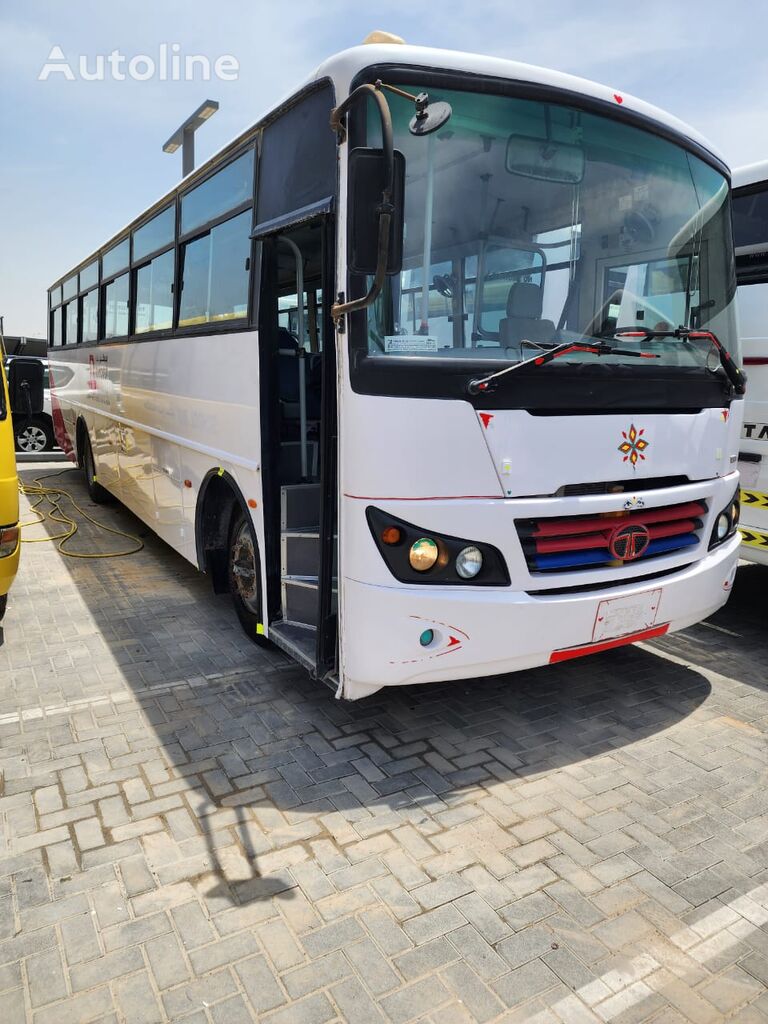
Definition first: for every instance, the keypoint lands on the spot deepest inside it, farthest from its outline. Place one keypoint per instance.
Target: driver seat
(523, 320)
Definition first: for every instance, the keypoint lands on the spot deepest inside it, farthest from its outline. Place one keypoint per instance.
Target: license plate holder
(619, 616)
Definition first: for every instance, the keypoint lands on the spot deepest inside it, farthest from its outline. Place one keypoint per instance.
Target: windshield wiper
(736, 376)
(482, 385)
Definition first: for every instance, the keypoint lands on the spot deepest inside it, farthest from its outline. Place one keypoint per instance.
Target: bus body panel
(161, 417)
(752, 299)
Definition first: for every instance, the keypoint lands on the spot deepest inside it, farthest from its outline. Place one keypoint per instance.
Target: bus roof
(342, 68)
(750, 174)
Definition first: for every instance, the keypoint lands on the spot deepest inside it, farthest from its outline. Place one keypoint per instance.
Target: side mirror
(367, 170)
(25, 385)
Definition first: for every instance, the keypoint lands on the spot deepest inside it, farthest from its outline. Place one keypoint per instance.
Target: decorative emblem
(634, 502)
(629, 542)
(633, 445)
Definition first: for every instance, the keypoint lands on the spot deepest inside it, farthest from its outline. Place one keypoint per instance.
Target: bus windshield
(530, 223)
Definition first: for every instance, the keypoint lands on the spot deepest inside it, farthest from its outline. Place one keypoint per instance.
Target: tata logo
(633, 503)
(629, 542)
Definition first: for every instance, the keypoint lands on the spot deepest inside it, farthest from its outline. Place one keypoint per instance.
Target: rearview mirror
(367, 169)
(545, 160)
(25, 385)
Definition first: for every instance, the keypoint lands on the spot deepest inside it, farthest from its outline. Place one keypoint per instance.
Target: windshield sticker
(409, 343)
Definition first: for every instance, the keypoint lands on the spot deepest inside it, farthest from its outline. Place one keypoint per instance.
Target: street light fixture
(184, 135)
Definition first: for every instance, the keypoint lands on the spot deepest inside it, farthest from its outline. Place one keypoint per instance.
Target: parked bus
(428, 369)
(750, 231)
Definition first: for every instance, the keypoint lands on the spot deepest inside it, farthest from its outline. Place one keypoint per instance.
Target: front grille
(568, 543)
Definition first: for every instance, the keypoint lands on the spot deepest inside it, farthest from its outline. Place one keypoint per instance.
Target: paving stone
(476, 996)
(81, 942)
(166, 960)
(79, 1009)
(260, 984)
(318, 974)
(371, 965)
(415, 999)
(46, 978)
(280, 945)
(331, 937)
(106, 968)
(136, 1000)
(196, 995)
(192, 924)
(225, 951)
(88, 834)
(231, 1011)
(525, 945)
(355, 1004)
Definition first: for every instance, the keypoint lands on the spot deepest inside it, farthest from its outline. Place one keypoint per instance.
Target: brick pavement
(190, 830)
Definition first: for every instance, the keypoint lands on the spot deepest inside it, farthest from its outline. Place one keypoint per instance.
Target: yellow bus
(10, 541)
(21, 398)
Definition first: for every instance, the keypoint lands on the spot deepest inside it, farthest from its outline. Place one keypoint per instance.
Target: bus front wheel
(96, 492)
(3, 606)
(244, 573)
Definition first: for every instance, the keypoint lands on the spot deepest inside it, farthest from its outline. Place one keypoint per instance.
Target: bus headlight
(726, 522)
(415, 555)
(469, 562)
(423, 554)
(9, 539)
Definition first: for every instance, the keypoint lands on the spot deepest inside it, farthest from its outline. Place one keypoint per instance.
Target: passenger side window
(90, 315)
(116, 308)
(70, 338)
(154, 295)
(214, 274)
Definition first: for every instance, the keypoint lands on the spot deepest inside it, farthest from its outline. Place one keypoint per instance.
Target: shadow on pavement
(281, 761)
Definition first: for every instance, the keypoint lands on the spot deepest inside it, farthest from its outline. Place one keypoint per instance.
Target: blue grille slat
(602, 556)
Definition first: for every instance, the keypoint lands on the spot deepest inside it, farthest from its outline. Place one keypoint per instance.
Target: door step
(300, 507)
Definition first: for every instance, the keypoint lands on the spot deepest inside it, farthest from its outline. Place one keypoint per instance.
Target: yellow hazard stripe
(753, 538)
(754, 499)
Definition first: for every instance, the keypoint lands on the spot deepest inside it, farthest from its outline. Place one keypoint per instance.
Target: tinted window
(155, 234)
(70, 287)
(115, 259)
(227, 188)
(214, 274)
(116, 308)
(90, 315)
(56, 296)
(89, 276)
(154, 295)
(71, 323)
(298, 162)
(56, 336)
(750, 219)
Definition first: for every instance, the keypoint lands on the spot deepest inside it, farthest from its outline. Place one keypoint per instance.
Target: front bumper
(488, 632)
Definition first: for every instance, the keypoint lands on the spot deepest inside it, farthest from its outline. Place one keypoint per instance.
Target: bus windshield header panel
(530, 223)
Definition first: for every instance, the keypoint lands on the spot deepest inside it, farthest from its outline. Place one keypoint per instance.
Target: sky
(82, 158)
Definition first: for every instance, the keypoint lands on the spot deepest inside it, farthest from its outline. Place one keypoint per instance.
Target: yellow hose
(56, 514)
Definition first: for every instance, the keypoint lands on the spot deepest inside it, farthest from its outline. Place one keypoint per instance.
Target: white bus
(750, 232)
(427, 368)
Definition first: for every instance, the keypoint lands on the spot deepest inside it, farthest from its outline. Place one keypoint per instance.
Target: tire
(244, 576)
(3, 605)
(34, 435)
(98, 494)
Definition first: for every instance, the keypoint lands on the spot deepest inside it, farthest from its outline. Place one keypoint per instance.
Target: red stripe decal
(429, 497)
(606, 645)
(755, 360)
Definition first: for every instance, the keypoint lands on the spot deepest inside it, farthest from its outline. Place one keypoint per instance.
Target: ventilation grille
(569, 543)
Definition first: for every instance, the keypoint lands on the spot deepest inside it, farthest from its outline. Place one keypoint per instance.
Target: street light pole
(184, 135)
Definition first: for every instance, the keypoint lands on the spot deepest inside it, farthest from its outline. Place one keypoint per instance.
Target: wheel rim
(244, 569)
(31, 439)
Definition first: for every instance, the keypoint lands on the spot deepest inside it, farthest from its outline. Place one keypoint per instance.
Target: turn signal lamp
(391, 535)
(423, 554)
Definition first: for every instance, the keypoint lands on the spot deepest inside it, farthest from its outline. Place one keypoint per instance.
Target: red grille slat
(600, 540)
(599, 524)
